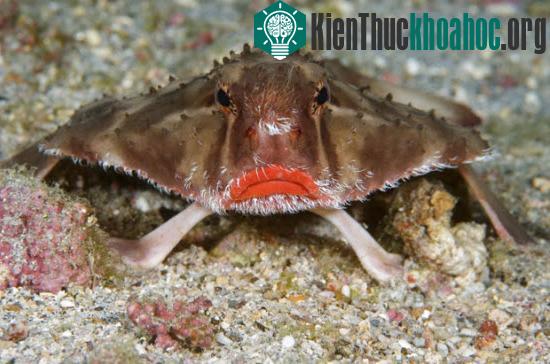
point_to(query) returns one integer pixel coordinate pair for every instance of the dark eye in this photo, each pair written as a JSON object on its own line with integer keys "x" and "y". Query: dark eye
{"x": 223, "y": 98}
{"x": 322, "y": 96}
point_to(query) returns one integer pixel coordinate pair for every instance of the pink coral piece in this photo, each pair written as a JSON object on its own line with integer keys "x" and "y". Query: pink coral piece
{"x": 394, "y": 315}
{"x": 177, "y": 322}
{"x": 41, "y": 239}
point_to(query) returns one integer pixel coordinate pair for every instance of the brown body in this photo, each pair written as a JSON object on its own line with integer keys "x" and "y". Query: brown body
{"x": 185, "y": 139}
{"x": 262, "y": 136}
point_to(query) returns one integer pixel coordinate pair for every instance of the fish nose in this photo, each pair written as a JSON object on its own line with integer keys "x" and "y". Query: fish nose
{"x": 253, "y": 138}
{"x": 259, "y": 137}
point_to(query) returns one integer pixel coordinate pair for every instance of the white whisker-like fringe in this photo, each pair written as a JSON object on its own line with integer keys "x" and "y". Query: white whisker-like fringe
{"x": 433, "y": 164}
{"x": 487, "y": 155}
{"x": 54, "y": 152}
{"x": 278, "y": 127}
{"x": 274, "y": 204}
{"x": 220, "y": 200}
{"x": 333, "y": 191}
{"x": 108, "y": 166}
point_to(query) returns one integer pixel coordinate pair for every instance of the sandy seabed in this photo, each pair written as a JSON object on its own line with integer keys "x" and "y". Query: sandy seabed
{"x": 283, "y": 288}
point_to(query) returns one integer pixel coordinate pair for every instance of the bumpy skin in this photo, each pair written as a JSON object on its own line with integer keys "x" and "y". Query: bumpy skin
{"x": 184, "y": 139}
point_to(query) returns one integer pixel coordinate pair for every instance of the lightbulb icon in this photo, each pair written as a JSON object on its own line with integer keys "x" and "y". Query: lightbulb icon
{"x": 279, "y": 30}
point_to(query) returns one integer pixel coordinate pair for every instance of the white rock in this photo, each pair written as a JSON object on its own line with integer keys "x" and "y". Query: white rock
{"x": 288, "y": 342}
{"x": 476, "y": 70}
{"x": 380, "y": 62}
{"x": 346, "y": 291}
{"x": 66, "y": 303}
{"x": 442, "y": 349}
{"x": 412, "y": 67}
{"x": 312, "y": 348}
{"x": 532, "y": 102}
{"x": 90, "y": 36}
{"x": 405, "y": 344}
{"x": 461, "y": 95}
{"x": 142, "y": 204}
{"x": 326, "y": 294}
{"x": 224, "y": 325}
{"x": 223, "y": 340}
{"x": 468, "y": 332}
{"x": 501, "y": 318}
{"x": 419, "y": 342}
{"x": 468, "y": 351}
{"x": 140, "y": 349}
{"x": 531, "y": 82}
{"x": 426, "y": 315}
{"x": 127, "y": 82}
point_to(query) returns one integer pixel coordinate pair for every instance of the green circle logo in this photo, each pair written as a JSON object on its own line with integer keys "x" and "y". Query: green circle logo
{"x": 279, "y": 30}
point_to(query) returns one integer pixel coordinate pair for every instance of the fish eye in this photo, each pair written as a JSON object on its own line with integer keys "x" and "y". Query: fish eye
{"x": 223, "y": 98}
{"x": 322, "y": 96}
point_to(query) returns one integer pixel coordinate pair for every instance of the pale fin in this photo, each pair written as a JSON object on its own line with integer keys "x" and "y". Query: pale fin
{"x": 380, "y": 264}
{"x": 153, "y": 248}
{"x": 39, "y": 163}
{"x": 506, "y": 226}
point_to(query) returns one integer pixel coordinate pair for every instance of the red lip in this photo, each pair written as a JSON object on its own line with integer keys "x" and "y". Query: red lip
{"x": 273, "y": 180}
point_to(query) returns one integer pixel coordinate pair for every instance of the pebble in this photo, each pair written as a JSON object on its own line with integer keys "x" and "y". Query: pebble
{"x": 426, "y": 315}
{"x": 468, "y": 332}
{"x": 327, "y": 294}
{"x": 312, "y": 348}
{"x": 442, "y": 349}
{"x": 468, "y": 351}
{"x": 419, "y": 342}
{"x": 394, "y": 315}
{"x": 140, "y": 349}
{"x": 16, "y": 331}
{"x": 532, "y": 102}
{"x": 224, "y": 325}
{"x": 531, "y": 82}
{"x": 223, "y": 340}
{"x": 343, "y": 331}
{"x": 405, "y": 344}
{"x": 542, "y": 184}
{"x": 380, "y": 62}
{"x": 288, "y": 342}
{"x": 412, "y": 67}
{"x": 500, "y": 317}
{"x": 142, "y": 204}
{"x": 90, "y": 36}
{"x": 67, "y": 303}
{"x": 346, "y": 291}
{"x": 476, "y": 70}
{"x": 460, "y": 94}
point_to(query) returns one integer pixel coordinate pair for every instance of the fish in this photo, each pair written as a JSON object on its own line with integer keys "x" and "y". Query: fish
{"x": 261, "y": 136}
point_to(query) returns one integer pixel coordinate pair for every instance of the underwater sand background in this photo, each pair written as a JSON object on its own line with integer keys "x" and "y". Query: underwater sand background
{"x": 278, "y": 293}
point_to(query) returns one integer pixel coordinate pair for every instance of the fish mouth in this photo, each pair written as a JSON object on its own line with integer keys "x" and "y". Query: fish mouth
{"x": 273, "y": 180}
